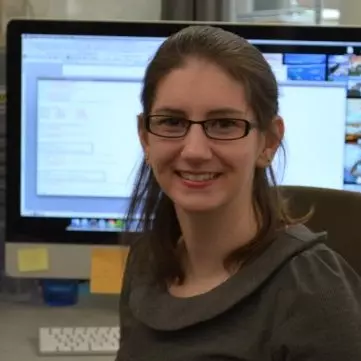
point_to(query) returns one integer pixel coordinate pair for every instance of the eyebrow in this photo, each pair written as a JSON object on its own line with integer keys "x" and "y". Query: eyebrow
{"x": 226, "y": 111}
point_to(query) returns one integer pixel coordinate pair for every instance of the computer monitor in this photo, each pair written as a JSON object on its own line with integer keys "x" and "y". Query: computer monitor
{"x": 72, "y": 150}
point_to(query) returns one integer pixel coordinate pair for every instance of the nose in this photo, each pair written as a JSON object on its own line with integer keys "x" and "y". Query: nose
{"x": 196, "y": 145}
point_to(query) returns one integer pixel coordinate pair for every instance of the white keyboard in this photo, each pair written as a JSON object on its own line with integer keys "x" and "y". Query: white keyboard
{"x": 74, "y": 341}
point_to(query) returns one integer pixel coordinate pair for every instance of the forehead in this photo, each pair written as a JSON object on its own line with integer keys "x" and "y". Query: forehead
{"x": 200, "y": 87}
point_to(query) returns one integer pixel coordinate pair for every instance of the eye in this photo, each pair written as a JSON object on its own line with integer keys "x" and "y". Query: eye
{"x": 223, "y": 123}
{"x": 169, "y": 121}
{"x": 168, "y": 126}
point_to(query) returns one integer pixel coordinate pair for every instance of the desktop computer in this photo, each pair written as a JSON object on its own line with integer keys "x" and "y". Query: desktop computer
{"x": 73, "y": 152}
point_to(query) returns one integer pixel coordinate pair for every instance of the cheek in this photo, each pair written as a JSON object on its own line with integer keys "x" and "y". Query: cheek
{"x": 241, "y": 158}
{"x": 161, "y": 165}
{"x": 161, "y": 156}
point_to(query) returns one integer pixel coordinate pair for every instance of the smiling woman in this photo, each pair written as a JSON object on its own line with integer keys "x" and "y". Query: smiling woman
{"x": 210, "y": 83}
{"x": 222, "y": 270}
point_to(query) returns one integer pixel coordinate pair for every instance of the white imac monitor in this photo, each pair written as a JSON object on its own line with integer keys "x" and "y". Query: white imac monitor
{"x": 72, "y": 147}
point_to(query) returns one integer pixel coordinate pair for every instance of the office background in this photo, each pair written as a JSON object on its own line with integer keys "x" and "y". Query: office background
{"x": 307, "y": 12}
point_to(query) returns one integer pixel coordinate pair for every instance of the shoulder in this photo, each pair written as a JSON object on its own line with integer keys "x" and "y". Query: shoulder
{"x": 317, "y": 269}
{"x": 137, "y": 268}
{"x": 319, "y": 309}
{"x": 317, "y": 274}
{"x": 309, "y": 260}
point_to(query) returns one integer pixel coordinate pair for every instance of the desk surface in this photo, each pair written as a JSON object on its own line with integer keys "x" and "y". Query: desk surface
{"x": 20, "y": 324}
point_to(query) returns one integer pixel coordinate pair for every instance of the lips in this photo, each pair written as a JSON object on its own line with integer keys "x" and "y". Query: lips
{"x": 198, "y": 177}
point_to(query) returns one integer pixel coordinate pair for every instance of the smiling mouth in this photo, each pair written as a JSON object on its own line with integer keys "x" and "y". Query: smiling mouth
{"x": 198, "y": 177}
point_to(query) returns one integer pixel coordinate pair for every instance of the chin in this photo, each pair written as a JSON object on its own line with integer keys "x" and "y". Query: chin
{"x": 197, "y": 204}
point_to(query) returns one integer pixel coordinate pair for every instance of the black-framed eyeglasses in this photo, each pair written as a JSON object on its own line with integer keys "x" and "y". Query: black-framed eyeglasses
{"x": 169, "y": 126}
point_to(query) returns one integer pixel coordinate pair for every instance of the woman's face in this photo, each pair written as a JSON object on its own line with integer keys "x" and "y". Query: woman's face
{"x": 196, "y": 172}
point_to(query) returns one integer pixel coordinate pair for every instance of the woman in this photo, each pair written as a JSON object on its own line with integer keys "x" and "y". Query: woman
{"x": 222, "y": 272}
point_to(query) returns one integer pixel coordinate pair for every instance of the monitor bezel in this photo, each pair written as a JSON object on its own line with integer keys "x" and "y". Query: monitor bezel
{"x": 53, "y": 230}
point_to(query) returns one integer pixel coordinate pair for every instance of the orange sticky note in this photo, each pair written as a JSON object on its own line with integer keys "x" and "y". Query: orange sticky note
{"x": 33, "y": 259}
{"x": 107, "y": 269}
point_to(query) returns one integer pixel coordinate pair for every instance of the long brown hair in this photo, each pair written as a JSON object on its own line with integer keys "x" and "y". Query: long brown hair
{"x": 159, "y": 224}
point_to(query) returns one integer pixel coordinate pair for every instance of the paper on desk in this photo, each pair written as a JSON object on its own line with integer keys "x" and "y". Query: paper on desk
{"x": 107, "y": 269}
{"x": 33, "y": 259}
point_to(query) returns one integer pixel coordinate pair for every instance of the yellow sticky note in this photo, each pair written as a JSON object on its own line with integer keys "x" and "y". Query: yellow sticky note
{"x": 33, "y": 259}
{"x": 2, "y": 97}
{"x": 107, "y": 269}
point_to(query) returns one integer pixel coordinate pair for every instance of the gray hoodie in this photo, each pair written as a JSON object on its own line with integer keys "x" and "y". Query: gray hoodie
{"x": 298, "y": 301}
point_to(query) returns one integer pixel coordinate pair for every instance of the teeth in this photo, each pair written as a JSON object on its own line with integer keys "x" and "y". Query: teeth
{"x": 198, "y": 177}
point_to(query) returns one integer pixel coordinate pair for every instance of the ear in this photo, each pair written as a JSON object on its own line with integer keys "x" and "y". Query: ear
{"x": 143, "y": 134}
{"x": 271, "y": 142}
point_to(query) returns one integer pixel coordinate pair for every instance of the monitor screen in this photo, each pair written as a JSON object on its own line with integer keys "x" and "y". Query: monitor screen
{"x": 80, "y": 149}
{"x": 80, "y": 96}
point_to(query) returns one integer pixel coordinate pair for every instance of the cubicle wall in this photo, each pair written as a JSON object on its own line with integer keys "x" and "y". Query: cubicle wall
{"x": 255, "y": 11}
{"x": 2, "y": 154}
{"x": 198, "y": 10}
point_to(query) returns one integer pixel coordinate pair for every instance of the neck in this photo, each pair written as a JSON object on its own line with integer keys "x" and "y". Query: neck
{"x": 210, "y": 237}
